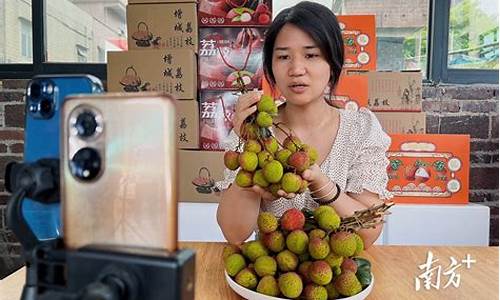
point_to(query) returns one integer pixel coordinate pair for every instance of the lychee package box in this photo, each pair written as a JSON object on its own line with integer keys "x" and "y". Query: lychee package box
{"x": 360, "y": 41}
{"x": 172, "y": 71}
{"x": 429, "y": 168}
{"x": 351, "y": 91}
{"x": 216, "y": 116}
{"x": 223, "y": 52}
{"x": 162, "y": 26}
{"x": 402, "y": 122}
{"x": 395, "y": 91}
{"x": 235, "y": 12}
{"x": 188, "y": 125}
{"x": 198, "y": 172}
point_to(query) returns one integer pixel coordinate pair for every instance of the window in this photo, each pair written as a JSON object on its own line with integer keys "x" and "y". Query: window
{"x": 26, "y": 40}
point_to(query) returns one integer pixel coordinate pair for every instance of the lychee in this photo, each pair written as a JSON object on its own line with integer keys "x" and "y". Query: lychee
{"x": 328, "y": 221}
{"x": 347, "y": 284}
{"x": 287, "y": 261}
{"x": 267, "y": 222}
{"x": 343, "y": 243}
{"x": 228, "y": 250}
{"x": 274, "y": 241}
{"x": 271, "y": 145}
{"x": 267, "y": 104}
{"x": 231, "y": 160}
{"x": 349, "y": 265}
{"x": 274, "y": 188}
{"x": 332, "y": 292}
{"x": 311, "y": 152}
{"x": 303, "y": 271}
{"x": 292, "y": 143}
{"x": 246, "y": 278}
{"x": 249, "y": 131}
{"x": 259, "y": 179}
{"x": 335, "y": 262}
{"x": 248, "y": 161}
{"x": 292, "y": 219}
{"x": 253, "y": 250}
{"x": 360, "y": 244}
{"x": 234, "y": 263}
{"x": 299, "y": 160}
{"x": 297, "y": 241}
{"x": 264, "y": 119}
{"x": 291, "y": 182}
{"x": 273, "y": 171}
{"x": 303, "y": 186}
{"x": 315, "y": 292}
{"x": 320, "y": 209}
{"x": 320, "y": 272}
{"x": 282, "y": 156}
{"x": 244, "y": 178}
{"x": 316, "y": 233}
{"x": 264, "y": 157}
{"x": 318, "y": 248}
{"x": 265, "y": 265}
{"x": 268, "y": 286}
{"x": 252, "y": 146}
{"x": 290, "y": 285}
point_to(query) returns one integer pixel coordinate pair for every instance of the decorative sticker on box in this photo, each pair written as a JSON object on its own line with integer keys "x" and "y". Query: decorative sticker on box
{"x": 360, "y": 42}
{"x": 225, "y": 13}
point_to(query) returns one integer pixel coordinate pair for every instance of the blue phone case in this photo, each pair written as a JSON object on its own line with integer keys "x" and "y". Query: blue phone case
{"x": 44, "y": 97}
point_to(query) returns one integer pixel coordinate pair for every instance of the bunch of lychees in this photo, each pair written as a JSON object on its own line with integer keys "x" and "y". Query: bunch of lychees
{"x": 266, "y": 162}
{"x": 302, "y": 254}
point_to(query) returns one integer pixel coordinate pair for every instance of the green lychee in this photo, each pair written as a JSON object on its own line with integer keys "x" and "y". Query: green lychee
{"x": 292, "y": 143}
{"x": 303, "y": 186}
{"x": 299, "y": 160}
{"x": 273, "y": 171}
{"x": 252, "y": 146}
{"x": 231, "y": 160}
{"x": 265, "y": 265}
{"x": 322, "y": 208}
{"x": 271, "y": 145}
{"x": 249, "y": 131}
{"x": 264, "y": 158}
{"x": 282, "y": 156}
{"x": 228, "y": 250}
{"x": 303, "y": 271}
{"x": 315, "y": 292}
{"x": 259, "y": 179}
{"x": 316, "y": 233}
{"x": 268, "y": 286}
{"x": 335, "y": 262}
{"x": 347, "y": 284}
{"x": 287, "y": 261}
{"x": 311, "y": 152}
{"x": 297, "y": 241}
{"x": 248, "y": 161}
{"x": 267, "y": 222}
{"x": 253, "y": 250}
{"x": 244, "y": 178}
{"x": 343, "y": 243}
{"x": 291, "y": 182}
{"x": 290, "y": 285}
{"x": 318, "y": 248}
{"x": 246, "y": 278}
{"x": 328, "y": 221}
{"x": 234, "y": 263}
{"x": 274, "y": 241}
{"x": 320, "y": 272}
{"x": 274, "y": 188}
{"x": 264, "y": 119}
{"x": 267, "y": 104}
{"x": 360, "y": 244}
{"x": 332, "y": 292}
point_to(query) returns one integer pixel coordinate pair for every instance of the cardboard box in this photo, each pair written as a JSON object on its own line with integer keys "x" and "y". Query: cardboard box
{"x": 162, "y": 26}
{"x": 429, "y": 168}
{"x": 402, "y": 122}
{"x": 395, "y": 91}
{"x": 188, "y": 125}
{"x": 198, "y": 171}
{"x": 225, "y": 13}
{"x": 224, "y": 51}
{"x": 360, "y": 41}
{"x": 172, "y": 71}
{"x": 216, "y": 116}
{"x": 351, "y": 91}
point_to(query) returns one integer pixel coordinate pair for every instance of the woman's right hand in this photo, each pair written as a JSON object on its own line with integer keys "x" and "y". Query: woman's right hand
{"x": 245, "y": 106}
{"x": 268, "y": 196}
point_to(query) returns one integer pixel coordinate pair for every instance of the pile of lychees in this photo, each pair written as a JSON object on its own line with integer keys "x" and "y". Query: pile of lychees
{"x": 302, "y": 254}
{"x": 263, "y": 161}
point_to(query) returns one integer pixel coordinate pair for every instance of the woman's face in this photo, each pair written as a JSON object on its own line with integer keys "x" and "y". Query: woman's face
{"x": 300, "y": 69}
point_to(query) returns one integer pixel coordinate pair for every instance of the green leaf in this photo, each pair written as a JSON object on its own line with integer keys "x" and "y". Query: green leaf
{"x": 364, "y": 276}
{"x": 362, "y": 262}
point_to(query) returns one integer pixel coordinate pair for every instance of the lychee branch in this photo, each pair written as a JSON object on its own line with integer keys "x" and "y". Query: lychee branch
{"x": 366, "y": 218}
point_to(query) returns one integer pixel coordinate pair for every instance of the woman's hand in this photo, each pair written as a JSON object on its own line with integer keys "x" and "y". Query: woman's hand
{"x": 245, "y": 106}
{"x": 268, "y": 196}
{"x": 314, "y": 175}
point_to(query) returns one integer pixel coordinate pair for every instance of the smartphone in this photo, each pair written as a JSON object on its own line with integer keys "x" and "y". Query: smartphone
{"x": 119, "y": 175}
{"x": 44, "y": 97}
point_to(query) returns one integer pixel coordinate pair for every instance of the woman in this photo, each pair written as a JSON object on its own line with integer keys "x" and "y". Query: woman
{"x": 303, "y": 56}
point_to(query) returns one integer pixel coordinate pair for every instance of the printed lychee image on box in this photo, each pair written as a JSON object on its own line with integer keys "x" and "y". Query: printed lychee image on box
{"x": 428, "y": 168}
{"x": 216, "y": 115}
{"x": 228, "y": 53}
{"x": 235, "y": 12}
{"x": 360, "y": 42}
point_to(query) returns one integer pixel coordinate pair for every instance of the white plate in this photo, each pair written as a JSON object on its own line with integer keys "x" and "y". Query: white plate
{"x": 251, "y": 295}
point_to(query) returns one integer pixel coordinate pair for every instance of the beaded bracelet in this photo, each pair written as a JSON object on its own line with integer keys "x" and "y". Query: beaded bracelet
{"x": 318, "y": 200}
{"x": 321, "y": 188}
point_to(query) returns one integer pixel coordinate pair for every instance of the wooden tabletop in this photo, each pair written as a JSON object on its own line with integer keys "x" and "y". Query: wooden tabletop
{"x": 395, "y": 269}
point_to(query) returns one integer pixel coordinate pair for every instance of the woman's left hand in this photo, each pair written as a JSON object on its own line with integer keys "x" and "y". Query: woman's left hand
{"x": 313, "y": 175}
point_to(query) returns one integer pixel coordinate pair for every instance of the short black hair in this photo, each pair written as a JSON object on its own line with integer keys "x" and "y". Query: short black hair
{"x": 320, "y": 23}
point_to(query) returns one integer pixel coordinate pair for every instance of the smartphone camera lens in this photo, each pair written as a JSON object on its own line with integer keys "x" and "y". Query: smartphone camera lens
{"x": 86, "y": 164}
{"x": 86, "y": 124}
{"x": 35, "y": 90}
{"x": 46, "y": 108}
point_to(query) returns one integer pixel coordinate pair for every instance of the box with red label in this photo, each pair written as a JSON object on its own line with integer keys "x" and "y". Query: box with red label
{"x": 228, "y": 53}
{"x": 429, "y": 168}
{"x": 360, "y": 41}
{"x": 216, "y": 115}
{"x": 235, "y": 12}
{"x": 351, "y": 91}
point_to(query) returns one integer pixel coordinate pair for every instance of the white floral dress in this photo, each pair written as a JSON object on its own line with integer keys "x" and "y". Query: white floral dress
{"x": 356, "y": 161}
